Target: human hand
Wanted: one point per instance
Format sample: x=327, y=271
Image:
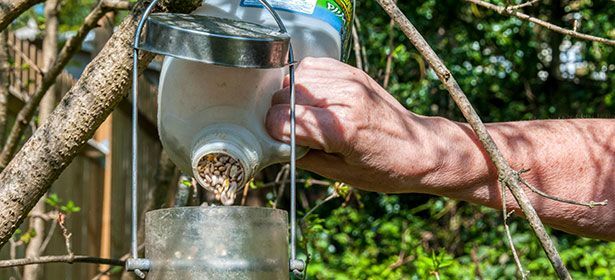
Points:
x=357, y=132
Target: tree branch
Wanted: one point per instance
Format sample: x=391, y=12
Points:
x=281, y=179
x=103, y=84
x=11, y=9
x=506, y=174
x=4, y=82
x=389, y=60
x=522, y=5
x=13, y=254
x=590, y=204
x=60, y=259
x=573, y=33
x=356, y=46
x=119, y=5
x=511, y=244
x=49, y=78
x=327, y=199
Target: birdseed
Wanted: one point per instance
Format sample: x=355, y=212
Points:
x=222, y=175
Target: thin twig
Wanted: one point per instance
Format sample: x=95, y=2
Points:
x=60, y=259
x=389, y=60
x=13, y=256
x=357, y=25
x=65, y=233
x=511, y=244
x=504, y=11
x=50, y=233
x=330, y=197
x=300, y=181
x=402, y=254
x=522, y=5
x=590, y=204
x=32, y=64
x=281, y=179
x=506, y=174
x=244, y=196
x=356, y=46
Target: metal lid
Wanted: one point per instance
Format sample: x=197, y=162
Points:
x=215, y=40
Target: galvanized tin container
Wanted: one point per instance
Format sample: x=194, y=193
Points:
x=228, y=242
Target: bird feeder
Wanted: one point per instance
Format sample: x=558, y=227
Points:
x=222, y=65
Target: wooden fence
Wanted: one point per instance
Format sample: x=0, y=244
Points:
x=98, y=179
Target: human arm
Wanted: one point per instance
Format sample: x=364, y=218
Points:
x=361, y=135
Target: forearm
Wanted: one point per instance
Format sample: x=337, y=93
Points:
x=573, y=159
x=361, y=135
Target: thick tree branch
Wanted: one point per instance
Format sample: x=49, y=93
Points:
x=573, y=33
x=11, y=9
x=103, y=84
x=506, y=174
x=49, y=78
x=60, y=259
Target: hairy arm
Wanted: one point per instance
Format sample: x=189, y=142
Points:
x=361, y=135
x=571, y=159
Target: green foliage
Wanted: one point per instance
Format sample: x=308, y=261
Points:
x=390, y=238
x=70, y=207
x=26, y=237
x=54, y=201
x=72, y=13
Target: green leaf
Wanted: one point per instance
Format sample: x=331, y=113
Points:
x=53, y=200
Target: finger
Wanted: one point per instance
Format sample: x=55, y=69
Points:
x=302, y=97
x=286, y=82
x=322, y=163
x=325, y=65
x=316, y=128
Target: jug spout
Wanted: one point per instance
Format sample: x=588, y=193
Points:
x=225, y=152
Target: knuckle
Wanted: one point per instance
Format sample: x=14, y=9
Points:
x=275, y=120
x=308, y=62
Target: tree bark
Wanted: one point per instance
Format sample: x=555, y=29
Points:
x=50, y=52
x=103, y=84
x=11, y=9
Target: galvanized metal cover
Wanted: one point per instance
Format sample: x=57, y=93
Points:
x=215, y=40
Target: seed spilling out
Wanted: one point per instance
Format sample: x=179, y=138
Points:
x=222, y=175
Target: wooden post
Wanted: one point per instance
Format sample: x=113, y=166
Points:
x=103, y=135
